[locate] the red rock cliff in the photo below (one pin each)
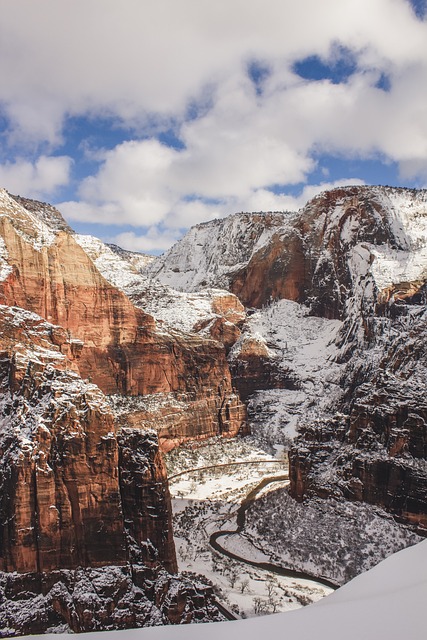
(121, 349)
(64, 476)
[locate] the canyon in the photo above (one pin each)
(306, 328)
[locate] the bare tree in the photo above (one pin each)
(260, 605)
(232, 575)
(270, 585)
(244, 585)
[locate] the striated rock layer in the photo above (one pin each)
(65, 491)
(116, 345)
(85, 515)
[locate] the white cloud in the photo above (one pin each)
(36, 179)
(133, 58)
(145, 63)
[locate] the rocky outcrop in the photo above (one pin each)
(211, 252)
(145, 499)
(307, 257)
(178, 418)
(213, 313)
(106, 598)
(375, 449)
(85, 515)
(255, 367)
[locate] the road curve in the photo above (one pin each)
(268, 566)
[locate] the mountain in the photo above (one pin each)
(341, 292)
(83, 483)
(312, 325)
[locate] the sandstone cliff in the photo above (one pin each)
(85, 513)
(115, 344)
(357, 255)
(65, 498)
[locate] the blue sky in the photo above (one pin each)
(139, 119)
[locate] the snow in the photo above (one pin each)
(386, 602)
(407, 217)
(206, 501)
(176, 309)
(30, 226)
(304, 346)
(392, 266)
(211, 251)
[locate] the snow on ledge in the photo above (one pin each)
(386, 602)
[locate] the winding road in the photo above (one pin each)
(223, 464)
(240, 521)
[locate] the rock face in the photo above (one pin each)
(177, 419)
(211, 313)
(374, 448)
(85, 516)
(106, 598)
(118, 346)
(65, 498)
(254, 367)
(210, 253)
(357, 255)
(145, 499)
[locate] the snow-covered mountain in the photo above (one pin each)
(340, 334)
(322, 314)
(319, 252)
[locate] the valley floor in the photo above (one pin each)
(325, 539)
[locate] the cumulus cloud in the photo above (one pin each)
(133, 59)
(36, 179)
(223, 79)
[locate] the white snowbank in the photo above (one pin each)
(386, 602)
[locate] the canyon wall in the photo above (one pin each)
(65, 498)
(358, 255)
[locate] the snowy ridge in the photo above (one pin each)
(176, 309)
(402, 215)
(32, 227)
(212, 250)
(118, 271)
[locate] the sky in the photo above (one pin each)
(138, 119)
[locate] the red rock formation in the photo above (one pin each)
(121, 350)
(145, 499)
(228, 307)
(60, 501)
(177, 419)
(229, 317)
(65, 476)
(277, 270)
